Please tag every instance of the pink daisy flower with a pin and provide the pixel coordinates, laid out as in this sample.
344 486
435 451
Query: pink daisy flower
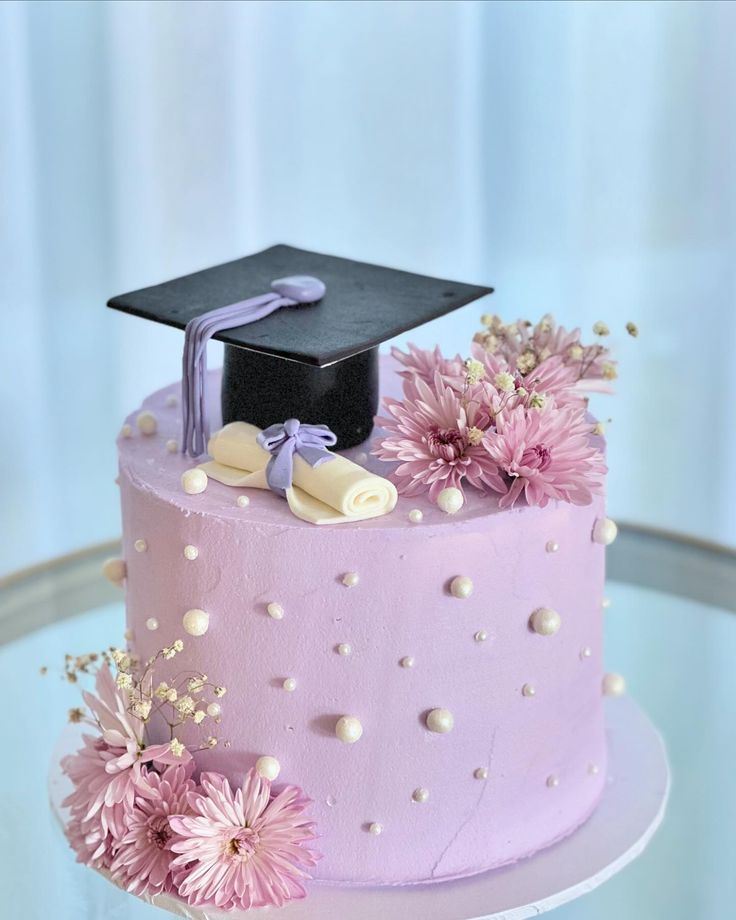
546 454
436 437
245 848
143 855
422 363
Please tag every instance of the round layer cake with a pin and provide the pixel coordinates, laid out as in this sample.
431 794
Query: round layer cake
475 733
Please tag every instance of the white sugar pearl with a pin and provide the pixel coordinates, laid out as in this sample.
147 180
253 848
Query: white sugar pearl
407 662
350 579
152 624
190 552
375 828
545 621
194 481
614 684
147 422
552 547
593 769
289 685
275 611
481 635
140 546
585 652
481 773
268 767
528 690
114 570
420 795
461 586
553 781
171 401
172 446
344 649
126 432
348 729
196 622
450 500
243 501
214 710
440 721
416 516
606 603
604 531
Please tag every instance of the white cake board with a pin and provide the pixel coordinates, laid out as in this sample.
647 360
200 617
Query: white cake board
629 813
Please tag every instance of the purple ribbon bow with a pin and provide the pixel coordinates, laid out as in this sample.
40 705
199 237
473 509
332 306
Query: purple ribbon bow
283 441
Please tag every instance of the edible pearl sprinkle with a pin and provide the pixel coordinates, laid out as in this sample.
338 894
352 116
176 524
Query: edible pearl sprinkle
552 547
140 546
351 579
552 781
461 586
147 422
407 662
545 621
196 622
416 516
375 828
440 721
275 611
243 501
481 635
268 767
331 801
114 570
606 603
190 552
614 684
450 500
172 446
348 729
481 773
593 768
420 795
152 624
126 431
214 710
528 690
289 685
171 401
585 653
344 649
194 481
604 531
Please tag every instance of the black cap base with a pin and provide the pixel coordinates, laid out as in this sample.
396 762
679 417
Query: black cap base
264 390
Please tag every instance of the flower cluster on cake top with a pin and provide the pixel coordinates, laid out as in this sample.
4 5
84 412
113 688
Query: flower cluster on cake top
139 811
512 419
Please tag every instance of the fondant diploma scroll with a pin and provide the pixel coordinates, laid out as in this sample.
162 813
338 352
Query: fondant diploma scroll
327 493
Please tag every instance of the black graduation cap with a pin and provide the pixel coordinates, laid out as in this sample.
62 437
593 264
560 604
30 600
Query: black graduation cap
317 362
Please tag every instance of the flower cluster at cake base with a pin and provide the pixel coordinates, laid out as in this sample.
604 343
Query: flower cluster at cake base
512 419
139 811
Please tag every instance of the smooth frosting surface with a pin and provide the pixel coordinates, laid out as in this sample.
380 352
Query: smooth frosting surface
414 696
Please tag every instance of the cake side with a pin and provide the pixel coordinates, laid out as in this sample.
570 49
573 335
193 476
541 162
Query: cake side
524 761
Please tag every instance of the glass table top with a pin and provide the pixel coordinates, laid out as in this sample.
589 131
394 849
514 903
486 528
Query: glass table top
670 629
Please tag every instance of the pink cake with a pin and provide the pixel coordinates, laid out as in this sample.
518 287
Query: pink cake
524 763
362 649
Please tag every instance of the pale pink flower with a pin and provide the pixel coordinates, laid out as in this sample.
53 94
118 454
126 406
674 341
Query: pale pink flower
428 434
422 363
242 848
143 854
546 454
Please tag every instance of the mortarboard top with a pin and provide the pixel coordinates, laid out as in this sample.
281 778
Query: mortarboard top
330 372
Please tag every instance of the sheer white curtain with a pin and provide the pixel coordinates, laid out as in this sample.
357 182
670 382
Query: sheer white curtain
578 156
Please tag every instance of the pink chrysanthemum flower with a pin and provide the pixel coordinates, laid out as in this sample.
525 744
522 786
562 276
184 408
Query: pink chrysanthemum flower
546 454
143 855
436 437
245 848
422 363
